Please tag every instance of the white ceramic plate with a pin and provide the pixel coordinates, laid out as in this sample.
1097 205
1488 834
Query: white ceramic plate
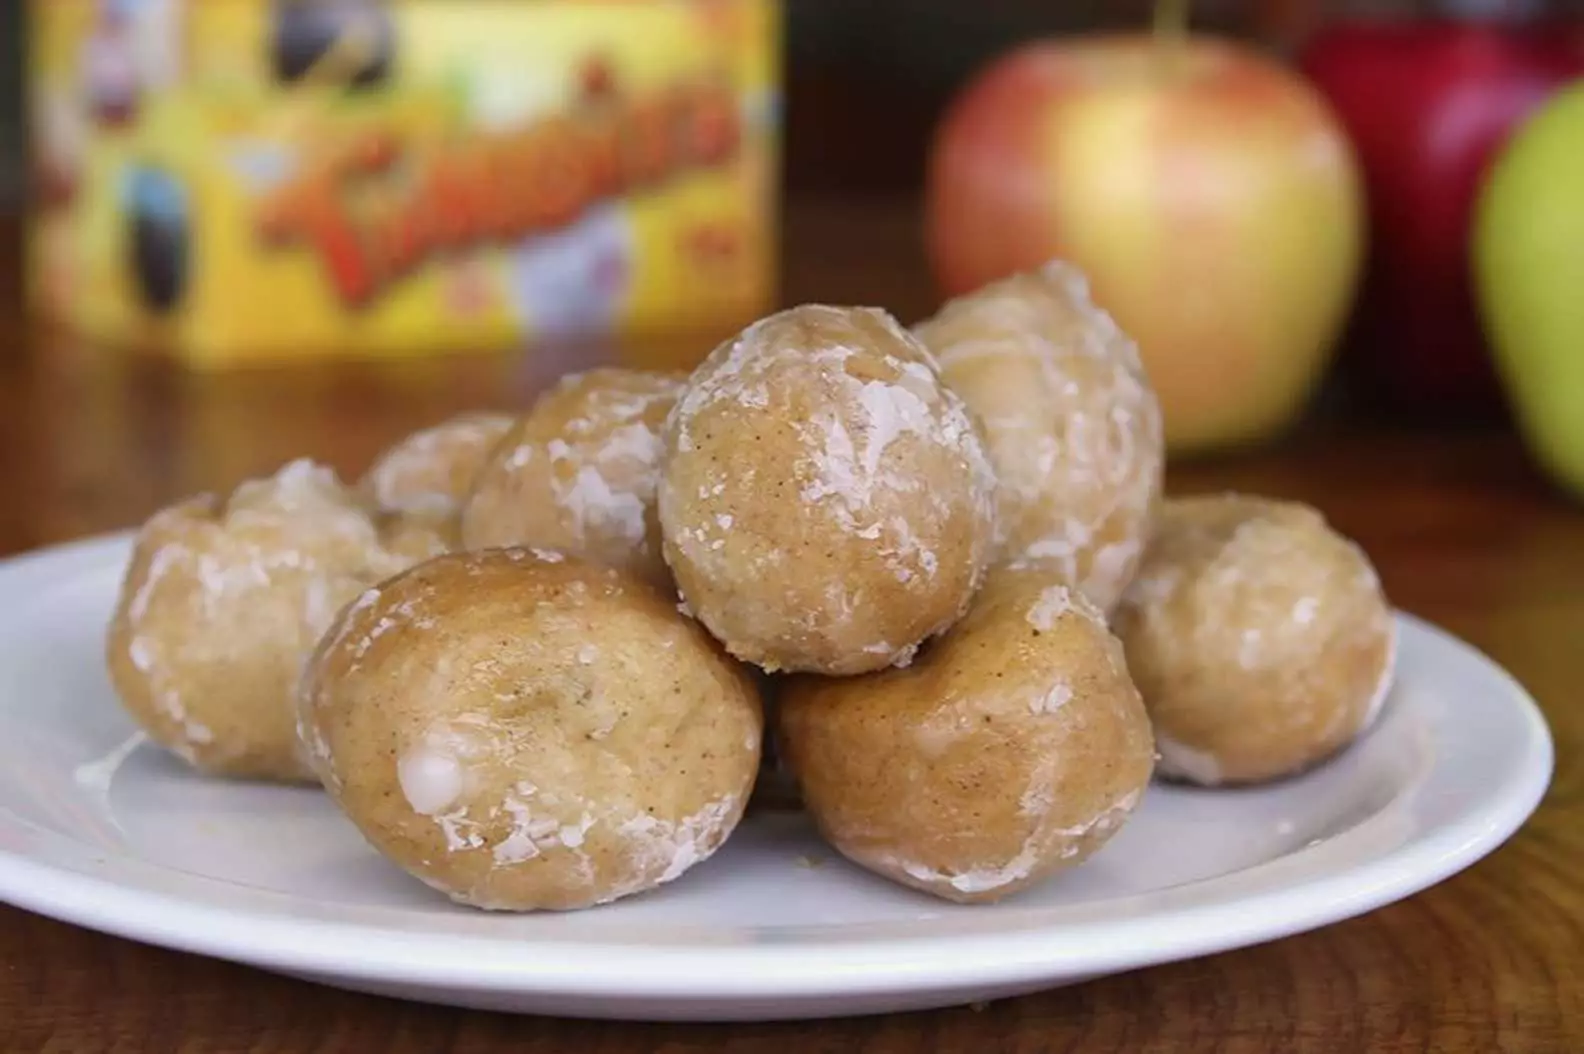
101 831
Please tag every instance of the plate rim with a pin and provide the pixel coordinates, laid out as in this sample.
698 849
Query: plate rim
807 970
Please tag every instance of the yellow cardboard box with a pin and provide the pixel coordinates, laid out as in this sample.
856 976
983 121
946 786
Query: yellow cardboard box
265 179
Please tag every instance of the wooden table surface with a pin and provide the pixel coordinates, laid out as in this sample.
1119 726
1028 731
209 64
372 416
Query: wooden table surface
1463 531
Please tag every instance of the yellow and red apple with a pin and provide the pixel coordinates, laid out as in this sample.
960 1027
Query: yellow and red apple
1207 190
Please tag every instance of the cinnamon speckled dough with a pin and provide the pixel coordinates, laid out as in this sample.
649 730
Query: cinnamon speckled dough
522 730
433 470
1071 423
224 599
1012 749
825 501
1260 638
578 473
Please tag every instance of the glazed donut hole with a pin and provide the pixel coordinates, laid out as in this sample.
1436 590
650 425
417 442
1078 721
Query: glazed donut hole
578 473
1070 422
1013 748
222 601
1259 636
432 471
825 501
526 731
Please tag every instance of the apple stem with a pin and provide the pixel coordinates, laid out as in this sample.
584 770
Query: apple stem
1171 24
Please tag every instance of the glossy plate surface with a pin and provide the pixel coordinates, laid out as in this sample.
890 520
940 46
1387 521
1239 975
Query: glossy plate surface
101 830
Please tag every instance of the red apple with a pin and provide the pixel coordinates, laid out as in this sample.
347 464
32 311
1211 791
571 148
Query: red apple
1428 104
1204 188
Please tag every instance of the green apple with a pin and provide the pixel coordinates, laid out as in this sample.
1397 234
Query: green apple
1529 275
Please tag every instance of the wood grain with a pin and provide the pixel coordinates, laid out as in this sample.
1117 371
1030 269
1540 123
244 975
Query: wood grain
1464 533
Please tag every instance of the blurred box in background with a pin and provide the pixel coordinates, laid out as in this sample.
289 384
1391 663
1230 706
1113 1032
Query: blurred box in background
232 180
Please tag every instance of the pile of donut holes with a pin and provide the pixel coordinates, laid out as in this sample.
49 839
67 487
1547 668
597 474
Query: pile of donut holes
533 658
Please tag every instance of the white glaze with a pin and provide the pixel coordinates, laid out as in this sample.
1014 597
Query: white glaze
141 651
164 558
96 776
673 848
1053 603
431 779
461 831
529 837
1180 761
597 509
979 879
1043 844
1058 696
